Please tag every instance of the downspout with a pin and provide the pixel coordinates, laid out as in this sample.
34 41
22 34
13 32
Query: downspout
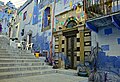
85 10
51 42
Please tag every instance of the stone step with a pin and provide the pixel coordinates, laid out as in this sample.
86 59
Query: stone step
26 51
21 60
18 57
3 51
23 68
9 53
26 73
17 63
14 51
22 64
14 54
6 51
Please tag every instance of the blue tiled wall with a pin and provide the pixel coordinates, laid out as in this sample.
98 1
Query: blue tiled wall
41 42
111 63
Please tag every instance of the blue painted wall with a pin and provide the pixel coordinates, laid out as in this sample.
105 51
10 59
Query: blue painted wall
108 39
41 39
5 17
35 12
108 63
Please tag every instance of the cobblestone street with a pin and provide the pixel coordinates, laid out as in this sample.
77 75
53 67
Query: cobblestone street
48 78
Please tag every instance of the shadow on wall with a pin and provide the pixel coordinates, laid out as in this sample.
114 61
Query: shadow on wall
40 42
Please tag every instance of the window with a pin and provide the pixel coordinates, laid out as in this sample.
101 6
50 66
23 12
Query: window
78 58
78 39
118 40
62 41
47 17
78 48
87 43
62 49
56 38
22 33
87 34
87 53
24 15
56 46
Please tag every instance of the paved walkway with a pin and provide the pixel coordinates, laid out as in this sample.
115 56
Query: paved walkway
48 78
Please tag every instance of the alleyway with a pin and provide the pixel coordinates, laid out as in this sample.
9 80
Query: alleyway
60 41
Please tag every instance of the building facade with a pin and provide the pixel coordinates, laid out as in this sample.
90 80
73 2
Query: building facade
72 39
55 28
105 29
28 29
43 38
35 18
6 13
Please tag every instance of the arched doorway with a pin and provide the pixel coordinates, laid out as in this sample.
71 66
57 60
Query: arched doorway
71 24
71 40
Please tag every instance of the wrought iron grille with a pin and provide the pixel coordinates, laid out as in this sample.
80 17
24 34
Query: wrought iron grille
97 8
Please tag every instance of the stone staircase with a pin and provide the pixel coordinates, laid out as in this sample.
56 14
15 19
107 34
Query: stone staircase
18 63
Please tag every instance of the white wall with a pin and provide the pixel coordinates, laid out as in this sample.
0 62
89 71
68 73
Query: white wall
111 40
28 19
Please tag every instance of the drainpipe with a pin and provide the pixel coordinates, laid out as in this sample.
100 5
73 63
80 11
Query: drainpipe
85 10
51 42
